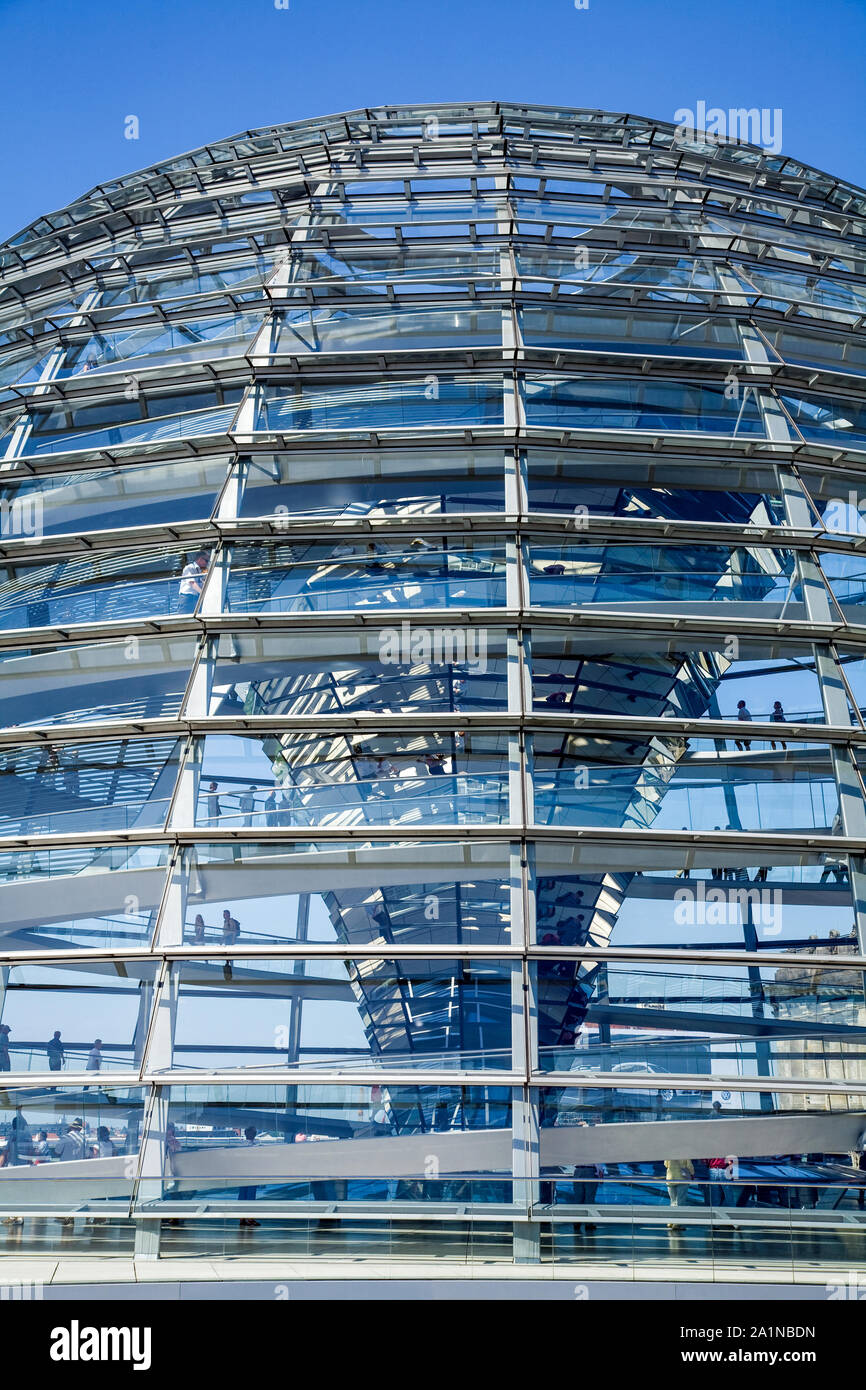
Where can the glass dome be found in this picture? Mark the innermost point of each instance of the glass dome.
(416, 527)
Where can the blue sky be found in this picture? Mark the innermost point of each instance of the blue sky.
(198, 70)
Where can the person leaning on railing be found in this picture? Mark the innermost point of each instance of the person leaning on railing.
(54, 1048)
(192, 582)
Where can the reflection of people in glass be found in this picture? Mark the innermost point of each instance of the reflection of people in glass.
(71, 1143)
(172, 1147)
(49, 767)
(777, 717)
(71, 778)
(172, 1143)
(441, 1115)
(857, 1155)
(718, 872)
(54, 1048)
(104, 1148)
(365, 770)
(248, 1194)
(231, 928)
(247, 804)
(833, 864)
(678, 1174)
(719, 1172)
(421, 562)
(744, 717)
(231, 703)
(380, 1120)
(94, 1057)
(20, 1143)
(586, 1187)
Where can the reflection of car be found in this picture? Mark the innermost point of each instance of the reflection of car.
(642, 1069)
(661, 1095)
(617, 1098)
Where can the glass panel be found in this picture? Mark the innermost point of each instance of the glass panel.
(611, 403)
(842, 353)
(302, 331)
(838, 500)
(309, 779)
(828, 419)
(649, 488)
(61, 431)
(176, 284)
(23, 367)
(616, 273)
(682, 784)
(338, 1016)
(50, 1018)
(605, 1106)
(661, 334)
(87, 897)
(103, 587)
(641, 576)
(399, 482)
(162, 344)
(112, 785)
(142, 677)
(853, 662)
(775, 905)
(438, 402)
(796, 1021)
(242, 1143)
(312, 576)
(625, 1202)
(436, 892)
(819, 291)
(677, 677)
(95, 499)
(846, 577)
(418, 269)
(389, 672)
(68, 1150)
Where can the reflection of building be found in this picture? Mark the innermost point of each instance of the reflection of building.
(410, 548)
(833, 996)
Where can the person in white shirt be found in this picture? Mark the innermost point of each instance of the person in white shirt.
(192, 582)
(366, 768)
(247, 804)
(41, 1147)
(94, 1057)
(104, 1146)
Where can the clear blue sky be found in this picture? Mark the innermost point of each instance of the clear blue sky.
(198, 70)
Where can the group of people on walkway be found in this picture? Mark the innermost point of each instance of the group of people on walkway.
(71, 1141)
(255, 805)
(745, 717)
(54, 1048)
(230, 931)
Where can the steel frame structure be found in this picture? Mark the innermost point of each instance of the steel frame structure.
(570, 252)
